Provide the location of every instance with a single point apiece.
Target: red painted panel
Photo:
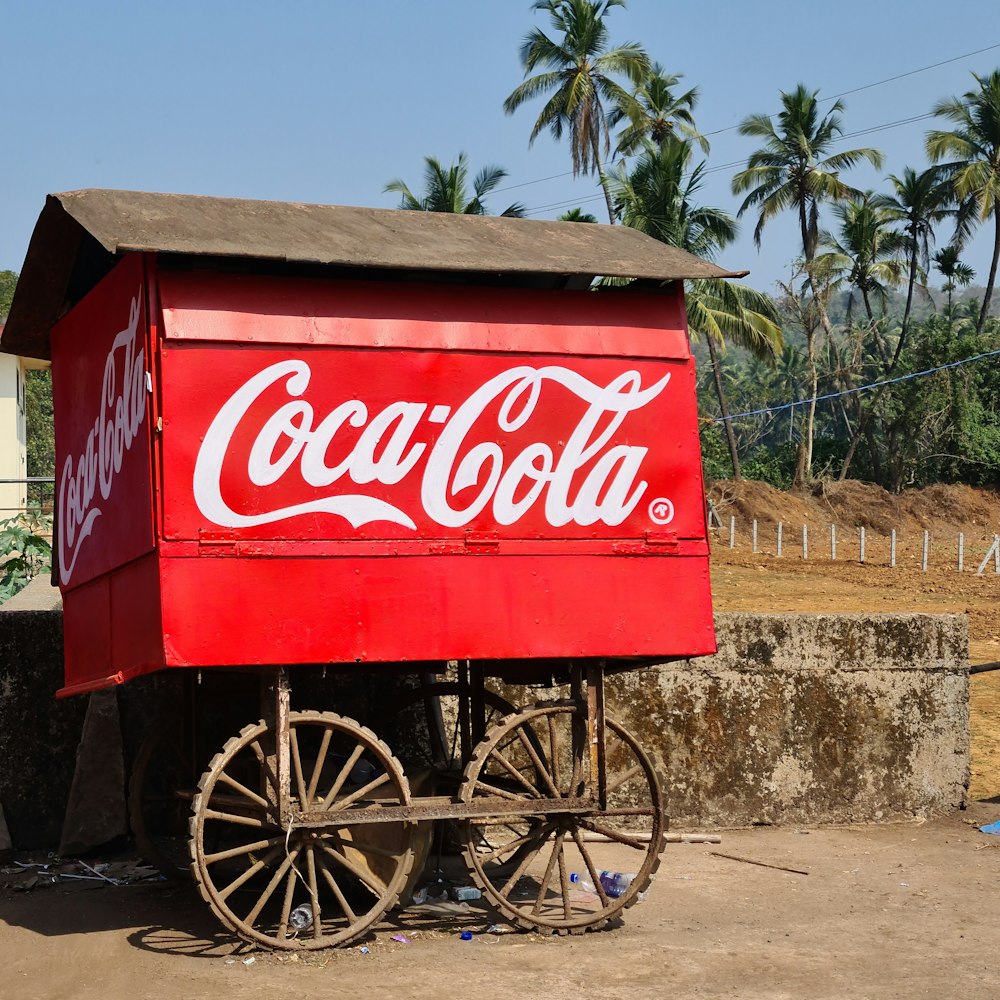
(100, 402)
(222, 610)
(137, 626)
(250, 309)
(327, 443)
(87, 637)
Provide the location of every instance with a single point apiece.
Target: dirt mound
(853, 504)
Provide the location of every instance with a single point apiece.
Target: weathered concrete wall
(797, 719)
(806, 719)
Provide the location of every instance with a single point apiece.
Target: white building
(13, 455)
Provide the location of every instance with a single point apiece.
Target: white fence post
(993, 553)
(927, 536)
(892, 548)
(805, 541)
(755, 534)
(732, 531)
(833, 543)
(779, 539)
(861, 553)
(961, 551)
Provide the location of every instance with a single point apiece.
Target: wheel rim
(524, 866)
(255, 875)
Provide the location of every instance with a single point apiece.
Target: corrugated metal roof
(60, 266)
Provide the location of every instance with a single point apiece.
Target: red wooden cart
(296, 436)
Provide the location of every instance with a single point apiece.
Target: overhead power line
(860, 388)
(730, 128)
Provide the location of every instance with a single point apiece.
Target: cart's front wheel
(525, 864)
(302, 886)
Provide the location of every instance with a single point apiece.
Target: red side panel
(101, 410)
(378, 473)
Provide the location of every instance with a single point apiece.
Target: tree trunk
(734, 457)
(594, 145)
(985, 311)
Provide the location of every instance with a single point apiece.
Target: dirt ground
(903, 910)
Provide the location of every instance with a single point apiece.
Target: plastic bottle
(615, 884)
(301, 918)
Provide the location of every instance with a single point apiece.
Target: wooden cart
(292, 437)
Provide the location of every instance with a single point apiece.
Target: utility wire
(860, 388)
(730, 128)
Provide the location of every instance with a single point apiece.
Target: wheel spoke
(616, 835)
(564, 885)
(368, 879)
(225, 817)
(595, 876)
(289, 862)
(235, 852)
(344, 774)
(502, 792)
(553, 749)
(520, 841)
(317, 923)
(269, 776)
(300, 781)
(318, 766)
(257, 800)
(245, 877)
(286, 903)
(364, 848)
(515, 773)
(361, 793)
(620, 780)
(543, 887)
(336, 890)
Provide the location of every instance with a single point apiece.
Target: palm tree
(972, 150)
(865, 253)
(919, 202)
(795, 170)
(577, 215)
(446, 190)
(953, 271)
(657, 199)
(655, 112)
(578, 78)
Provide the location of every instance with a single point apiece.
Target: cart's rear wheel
(524, 865)
(256, 875)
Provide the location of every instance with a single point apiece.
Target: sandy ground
(883, 912)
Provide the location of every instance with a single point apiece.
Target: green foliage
(8, 281)
(446, 189)
(41, 448)
(24, 552)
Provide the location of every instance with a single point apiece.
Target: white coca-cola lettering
(386, 452)
(122, 412)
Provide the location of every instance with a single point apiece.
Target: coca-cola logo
(87, 478)
(584, 478)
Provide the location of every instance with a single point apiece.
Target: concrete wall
(797, 719)
(806, 719)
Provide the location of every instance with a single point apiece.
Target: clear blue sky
(327, 102)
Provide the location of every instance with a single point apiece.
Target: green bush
(24, 551)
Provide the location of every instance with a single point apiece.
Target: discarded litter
(993, 828)
(301, 918)
(401, 938)
(440, 907)
(499, 929)
(365, 950)
(249, 961)
(461, 893)
(466, 935)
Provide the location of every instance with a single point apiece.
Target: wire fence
(977, 551)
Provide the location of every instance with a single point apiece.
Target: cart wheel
(334, 881)
(158, 811)
(524, 865)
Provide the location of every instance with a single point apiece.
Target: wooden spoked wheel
(341, 877)
(524, 865)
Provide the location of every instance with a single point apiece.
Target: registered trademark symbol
(661, 511)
